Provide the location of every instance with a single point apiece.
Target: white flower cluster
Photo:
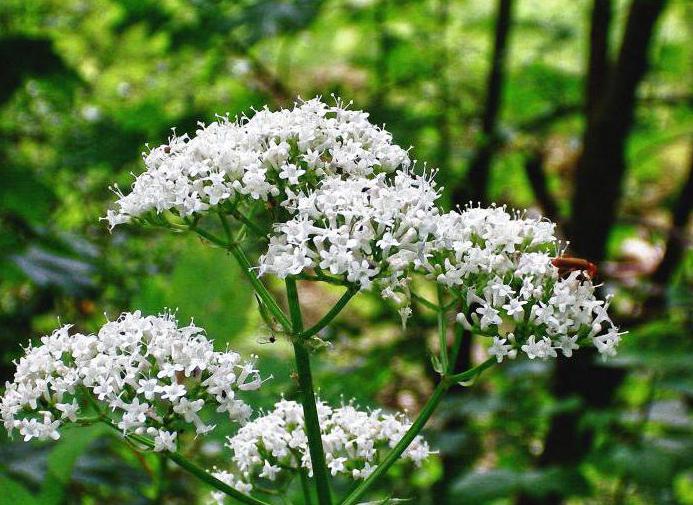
(354, 209)
(268, 155)
(275, 444)
(145, 374)
(358, 228)
(499, 264)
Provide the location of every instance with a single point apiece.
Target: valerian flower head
(361, 228)
(347, 204)
(274, 445)
(499, 264)
(256, 158)
(145, 375)
(381, 231)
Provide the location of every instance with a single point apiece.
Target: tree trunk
(534, 169)
(598, 62)
(476, 181)
(601, 167)
(600, 172)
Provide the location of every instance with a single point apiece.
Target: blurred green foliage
(86, 84)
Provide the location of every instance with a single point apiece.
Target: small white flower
(541, 349)
(269, 471)
(173, 392)
(568, 344)
(165, 441)
(500, 349)
(291, 173)
(337, 465)
(489, 316)
(515, 309)
(69, 410)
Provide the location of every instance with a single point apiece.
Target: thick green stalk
(455, 350)
(310, 410)
(424, 302)
(259, 287)
(331, 314)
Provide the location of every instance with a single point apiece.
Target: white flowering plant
(330, 199)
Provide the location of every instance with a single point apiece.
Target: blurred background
(580, 110)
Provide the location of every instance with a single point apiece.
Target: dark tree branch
(541, 122)
(479, 168)
(441, 65)
(537, 179)
(598, 63)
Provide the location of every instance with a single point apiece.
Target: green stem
(442, 331)
(424, 302)
(401, 446)
(195, 470)
(331, 314)
(243, 219)
(260, 288)
(415, 429)
(310, 410)
(455, 351)
(225, 226)
(161, 481)
(208, 236)
(210, 479)
(472, 373)
(305, 486)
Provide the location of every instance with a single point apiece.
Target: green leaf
(483, 486)
(648, 465)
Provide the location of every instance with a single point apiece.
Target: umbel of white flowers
(358, 212)
(268, 155)
(146, 375)
(275, 446)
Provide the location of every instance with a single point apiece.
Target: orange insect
(566, 264)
